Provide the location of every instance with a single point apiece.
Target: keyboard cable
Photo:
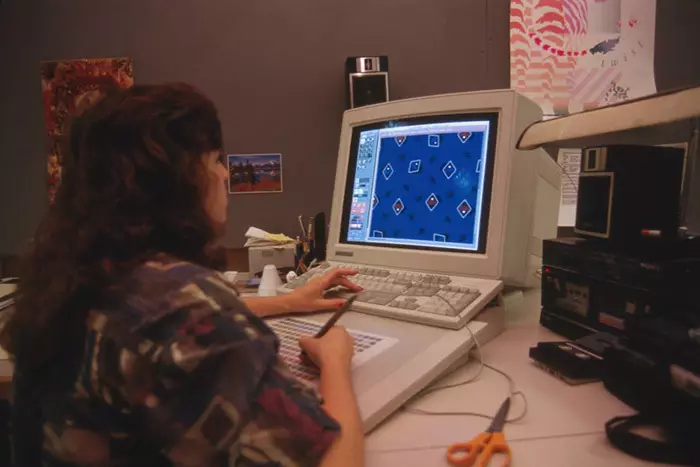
(512, 390)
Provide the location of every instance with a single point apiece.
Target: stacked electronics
(629, 259)
(631, 273)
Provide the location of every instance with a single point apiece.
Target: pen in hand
(336, 316)
(329, 324)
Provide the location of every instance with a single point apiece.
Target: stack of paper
(259, 237)
(6, 300)
(7, 295)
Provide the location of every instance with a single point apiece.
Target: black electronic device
(628, 193)
(367, 80)
(566, 362)
(320, 237)
(666, 395)
(588, 286)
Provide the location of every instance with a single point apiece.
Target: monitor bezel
(485, 208)
(515, 114)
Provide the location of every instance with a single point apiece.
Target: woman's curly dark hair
(133, 186)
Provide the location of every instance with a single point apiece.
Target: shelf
(664, 118)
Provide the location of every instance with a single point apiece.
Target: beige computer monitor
(524, 194)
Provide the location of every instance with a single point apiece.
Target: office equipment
(574, 362)
(589, 286)
(435, 184)
(320, 237)
(435, 209)
(485, 444)
(628, 193)
(434, 299)
(402, 359)
(665, 118)
(290, 330)
(665, 392)
(282, 256)
(367, 80)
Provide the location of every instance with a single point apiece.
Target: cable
(471, 379)
(512, 392)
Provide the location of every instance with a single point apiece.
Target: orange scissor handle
(486, 444)
(497, 444)
(465, 454)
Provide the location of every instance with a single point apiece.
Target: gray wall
(275, 69)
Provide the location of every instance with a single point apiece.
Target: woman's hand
(334, 349)
(310, 296)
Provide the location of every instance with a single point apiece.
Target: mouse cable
(512, 391)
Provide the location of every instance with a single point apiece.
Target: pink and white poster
(572, 55)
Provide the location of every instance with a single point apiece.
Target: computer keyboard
(436, 300)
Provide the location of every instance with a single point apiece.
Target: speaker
(367, 80)
(627, 193)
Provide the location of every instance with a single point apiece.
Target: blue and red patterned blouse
(180, 372)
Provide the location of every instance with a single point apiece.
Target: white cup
(269, 282)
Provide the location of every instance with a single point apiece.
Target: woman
(129, 350)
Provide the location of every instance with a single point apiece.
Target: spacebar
(376, 298)
(368, 296)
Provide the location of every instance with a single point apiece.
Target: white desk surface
(572, 451)
(564, 424)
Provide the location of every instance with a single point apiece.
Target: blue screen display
(421, 183)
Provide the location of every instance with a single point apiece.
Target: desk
(564, 424)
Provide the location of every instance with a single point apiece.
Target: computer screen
(421, 183)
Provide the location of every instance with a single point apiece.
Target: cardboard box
(281, 256)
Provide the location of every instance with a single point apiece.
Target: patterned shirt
(180, 372)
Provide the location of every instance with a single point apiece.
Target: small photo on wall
(254, 173)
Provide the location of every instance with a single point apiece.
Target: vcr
(588, 287)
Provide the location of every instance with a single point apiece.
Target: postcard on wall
(67, 87)
(254, 173)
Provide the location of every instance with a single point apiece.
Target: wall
(275, 69)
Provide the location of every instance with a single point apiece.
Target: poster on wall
(67, 87)
(254, 173)
(572, 55)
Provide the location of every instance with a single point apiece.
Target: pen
(329, 324)
(336, 316)
(301, 225)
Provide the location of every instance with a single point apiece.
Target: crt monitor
(423, 183)
(435, 184)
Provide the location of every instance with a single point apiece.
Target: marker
(301, 225)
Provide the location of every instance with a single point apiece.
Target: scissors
(487, 443)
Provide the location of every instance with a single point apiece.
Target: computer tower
(627, 193)
(367, 81)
